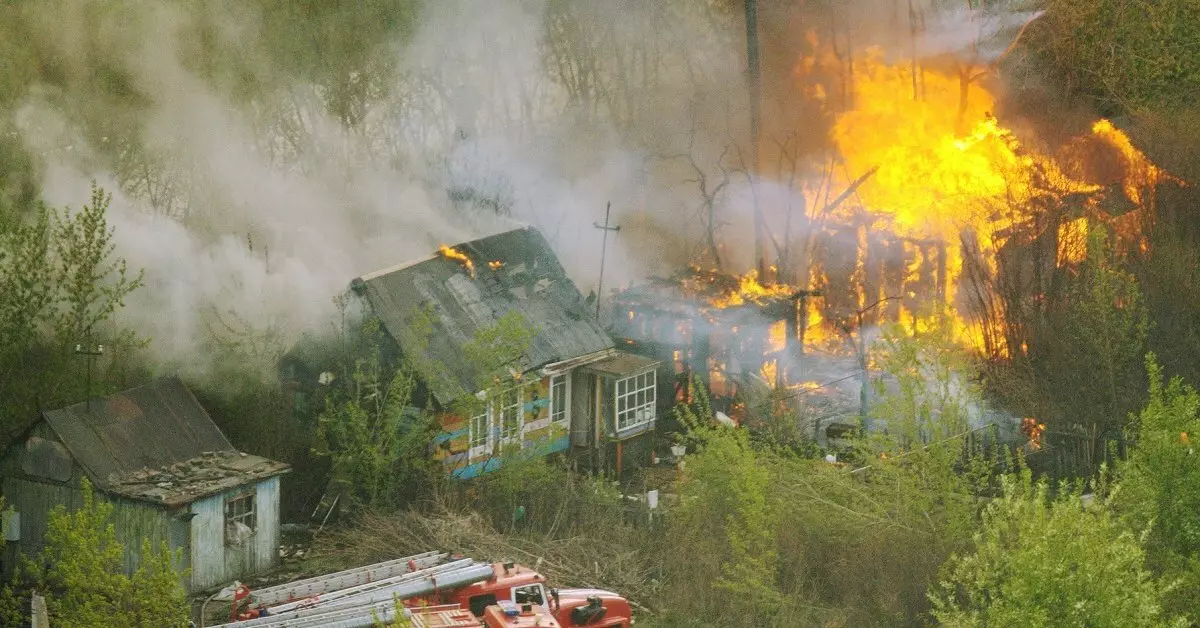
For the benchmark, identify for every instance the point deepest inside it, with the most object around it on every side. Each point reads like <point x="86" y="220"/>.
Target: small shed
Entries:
<point x="171" y="475"/>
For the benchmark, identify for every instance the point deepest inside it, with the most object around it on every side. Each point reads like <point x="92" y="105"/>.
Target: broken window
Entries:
<point x="635" y="397"/>
<point x="240" y="518"/>
<point x="558" y="399"/>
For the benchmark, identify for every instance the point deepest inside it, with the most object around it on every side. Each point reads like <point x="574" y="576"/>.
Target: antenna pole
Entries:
<point x="90" y="352"/>
<point x="603" y="253"/>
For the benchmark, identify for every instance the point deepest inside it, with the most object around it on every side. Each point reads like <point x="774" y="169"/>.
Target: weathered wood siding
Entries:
<point x="134" y="522"/>
<point x="215" y="563"/>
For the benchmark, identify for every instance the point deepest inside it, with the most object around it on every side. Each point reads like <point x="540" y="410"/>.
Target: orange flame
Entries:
<point x="777" y="336"/>
<point x="1033" y="430"/>
<point x="458" y="256"/>
<point x="749" y="290"/>
<point x="944" y="165"/>
<point x="495" y="264"/>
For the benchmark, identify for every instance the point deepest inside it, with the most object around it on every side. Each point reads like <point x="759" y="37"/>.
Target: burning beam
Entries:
<point x="458" y="256"/>
<point x="850" y="190"/>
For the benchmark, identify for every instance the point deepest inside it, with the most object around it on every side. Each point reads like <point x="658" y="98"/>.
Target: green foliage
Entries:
<point x="1126" y="54"/>
<point x="377" y="441"/>
<point x="60" y="284"/>
<point x="497" y="352"/>
<point x="1160" y="483"/>
<point x="1044" y="560"/>
<point x="933" y="379"/>
<point x="81" y="573"/>
<point x="814" y="543"/>
<point x="730" y="521"/>
<point x="553" y="501"/>
<point x="693" y="416"/>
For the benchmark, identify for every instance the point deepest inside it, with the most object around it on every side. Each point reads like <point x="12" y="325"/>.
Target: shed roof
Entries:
<point x="513" y="271"/>
<point x="151" y="427"/>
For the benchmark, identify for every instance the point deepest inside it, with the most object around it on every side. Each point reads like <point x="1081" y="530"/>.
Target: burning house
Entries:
<point x="733" y="335"/>
<point x="571" y="390"/>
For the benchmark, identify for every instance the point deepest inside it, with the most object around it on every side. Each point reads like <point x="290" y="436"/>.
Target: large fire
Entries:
<point x="942" y="165"/>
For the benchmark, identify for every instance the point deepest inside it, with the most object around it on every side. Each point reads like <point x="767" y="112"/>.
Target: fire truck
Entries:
<point x="487" y="592"/>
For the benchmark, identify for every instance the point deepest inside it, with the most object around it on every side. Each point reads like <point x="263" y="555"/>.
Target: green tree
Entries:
<point x="377" y="441"/>
<point x="932" y="378"/>
<point x="730" y="521"/>
<point x="1160" y="483"/>
<point x="60" y="284"/>
<point x="1043" y="559"/>
<point x="81" y="573"/>
<point x="1126" y="54"/>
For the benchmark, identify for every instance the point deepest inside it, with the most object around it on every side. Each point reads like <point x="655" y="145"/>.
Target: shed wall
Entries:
<point x="214" y="563"/>
<point x="134" y="522"/>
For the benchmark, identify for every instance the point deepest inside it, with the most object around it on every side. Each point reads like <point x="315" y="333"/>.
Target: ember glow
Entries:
<point x="746" y="289"/>
<point x="458" y="256"/>
<point x="495" y="264"/>
<point x="777" y="336"/>
<point x="1033" y="430"/>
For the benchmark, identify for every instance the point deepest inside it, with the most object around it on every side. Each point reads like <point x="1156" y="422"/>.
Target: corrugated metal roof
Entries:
<point x="523" y="276"/>
<point x="149" y="427"/>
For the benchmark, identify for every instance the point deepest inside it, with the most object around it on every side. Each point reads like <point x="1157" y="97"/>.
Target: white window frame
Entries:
<point x="510" y="402"/>
<point x="480" y="444"/>
<point x="560" y="415"/>
<point x="635" y="400"/>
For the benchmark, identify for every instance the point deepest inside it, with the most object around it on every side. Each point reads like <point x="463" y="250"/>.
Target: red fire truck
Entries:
<point x="360" y="596"/>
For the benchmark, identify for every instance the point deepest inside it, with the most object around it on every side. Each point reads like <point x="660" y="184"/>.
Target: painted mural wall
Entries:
<point x="533" y="416"/>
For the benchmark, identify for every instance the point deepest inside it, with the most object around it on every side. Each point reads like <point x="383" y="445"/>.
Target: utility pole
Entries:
<point x="754" y="74"/>
<point x="90" y="352"/>
<point x="603" y="252"/>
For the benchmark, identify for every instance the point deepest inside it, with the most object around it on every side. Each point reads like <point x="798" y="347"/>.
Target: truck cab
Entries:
<point x="510" y="582"/>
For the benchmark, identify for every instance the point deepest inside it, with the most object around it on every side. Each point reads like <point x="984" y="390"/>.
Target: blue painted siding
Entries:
<point x="491" y="464"/>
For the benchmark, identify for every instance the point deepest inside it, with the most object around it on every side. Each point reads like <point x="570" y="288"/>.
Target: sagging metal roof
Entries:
<point x="147" y="429"/>
<point x="511" y="271"/>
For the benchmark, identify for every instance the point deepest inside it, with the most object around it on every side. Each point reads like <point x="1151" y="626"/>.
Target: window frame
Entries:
<point x="510" y="431"/>
<point x="633" y="397"/>
<point x="247" y="516"/>
<point x="481" y="422"/>
<point x="560" y="415"/>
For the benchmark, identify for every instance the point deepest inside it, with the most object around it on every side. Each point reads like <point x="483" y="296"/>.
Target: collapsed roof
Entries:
<point x="152" y="443"/>
<point x="470" y="287"/>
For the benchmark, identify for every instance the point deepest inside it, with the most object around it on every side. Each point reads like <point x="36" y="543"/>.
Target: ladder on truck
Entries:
<point x="319" y="585"/>
<point x="363" y="604"/>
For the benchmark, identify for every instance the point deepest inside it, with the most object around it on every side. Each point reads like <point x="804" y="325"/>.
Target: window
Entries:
<point x="529" y="594"/>
<point x="479" y="435"/>
<point x="508" y="404"/>
<point x="636" y="400"/>
<point x="558" y="399"/>
<point x="240" y="518"/>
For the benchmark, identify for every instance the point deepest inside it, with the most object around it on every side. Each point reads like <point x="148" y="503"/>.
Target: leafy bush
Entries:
<point x="1042" y="559"/>
<point x="1160" y="483"/>
<point x="81" y="573"/>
